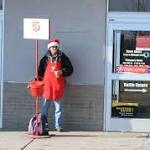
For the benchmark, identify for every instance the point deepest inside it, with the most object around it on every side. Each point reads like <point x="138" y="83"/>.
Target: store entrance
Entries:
<point x="127" y="94"/>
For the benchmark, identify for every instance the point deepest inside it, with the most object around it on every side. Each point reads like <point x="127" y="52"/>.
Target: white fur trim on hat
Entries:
<point x="52" y="44"/>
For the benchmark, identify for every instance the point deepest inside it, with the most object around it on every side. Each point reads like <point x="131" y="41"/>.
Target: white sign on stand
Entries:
<point x="35" y="28"/>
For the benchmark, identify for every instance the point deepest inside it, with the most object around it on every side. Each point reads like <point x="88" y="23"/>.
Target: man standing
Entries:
<point x="53" y="68"/>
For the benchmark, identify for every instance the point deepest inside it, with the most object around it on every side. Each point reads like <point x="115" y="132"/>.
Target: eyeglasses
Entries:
<point x="53" y="46"/>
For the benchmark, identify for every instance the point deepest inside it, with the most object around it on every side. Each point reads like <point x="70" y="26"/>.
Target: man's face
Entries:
<point x="53" y="49"/>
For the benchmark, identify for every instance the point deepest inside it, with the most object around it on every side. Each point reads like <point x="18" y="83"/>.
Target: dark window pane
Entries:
<point x="1" y="5"/>
<point x="132" y="99"/>
<point x="129" y="5"/>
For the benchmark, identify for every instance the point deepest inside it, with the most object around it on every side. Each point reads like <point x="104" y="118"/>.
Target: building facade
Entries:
<point x="96" y="39"/>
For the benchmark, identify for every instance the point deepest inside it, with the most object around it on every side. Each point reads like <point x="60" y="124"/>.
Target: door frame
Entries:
<point x="1" y="64"/>
<point x="121" y="21"/>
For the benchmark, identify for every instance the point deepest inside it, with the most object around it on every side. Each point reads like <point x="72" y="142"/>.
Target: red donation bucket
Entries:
<point x="36" y="88"/>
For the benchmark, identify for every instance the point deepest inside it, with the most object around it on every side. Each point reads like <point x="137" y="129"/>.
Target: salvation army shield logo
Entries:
<point x="36" y="26"/>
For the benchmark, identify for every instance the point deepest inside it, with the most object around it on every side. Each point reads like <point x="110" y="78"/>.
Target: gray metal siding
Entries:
<point x="79" y="24"/>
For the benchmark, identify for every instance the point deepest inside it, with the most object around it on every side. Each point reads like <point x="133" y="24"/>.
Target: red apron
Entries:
<point x="53" y="87"/>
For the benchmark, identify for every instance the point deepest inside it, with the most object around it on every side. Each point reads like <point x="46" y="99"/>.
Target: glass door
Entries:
<point x="127" y="92"/>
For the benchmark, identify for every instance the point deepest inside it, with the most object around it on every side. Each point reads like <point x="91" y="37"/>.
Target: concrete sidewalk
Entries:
<point x="75" y="141"/>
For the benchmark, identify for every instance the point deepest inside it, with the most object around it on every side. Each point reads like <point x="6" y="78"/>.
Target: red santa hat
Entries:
<point x="53" y="42"/>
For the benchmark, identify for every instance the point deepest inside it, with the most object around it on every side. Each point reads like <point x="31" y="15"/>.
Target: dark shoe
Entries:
<point x="59" y="130"/>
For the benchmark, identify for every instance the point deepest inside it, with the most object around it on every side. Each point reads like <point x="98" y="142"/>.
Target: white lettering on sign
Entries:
<point x="130" y="84"/>
<point x="135" y="90"/>
<point x="132" y="68"/>
<point x="35" y="28"/>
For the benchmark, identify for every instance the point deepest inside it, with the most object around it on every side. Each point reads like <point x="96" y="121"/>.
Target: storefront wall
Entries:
<point x="80" y="25"/>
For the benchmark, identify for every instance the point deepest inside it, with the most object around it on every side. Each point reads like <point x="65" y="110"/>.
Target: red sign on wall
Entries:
<point x="143" y="43"/>
<point x="132" y="69"/>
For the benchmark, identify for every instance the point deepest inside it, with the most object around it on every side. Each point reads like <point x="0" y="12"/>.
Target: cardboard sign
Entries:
<point x="35" y="28"/>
